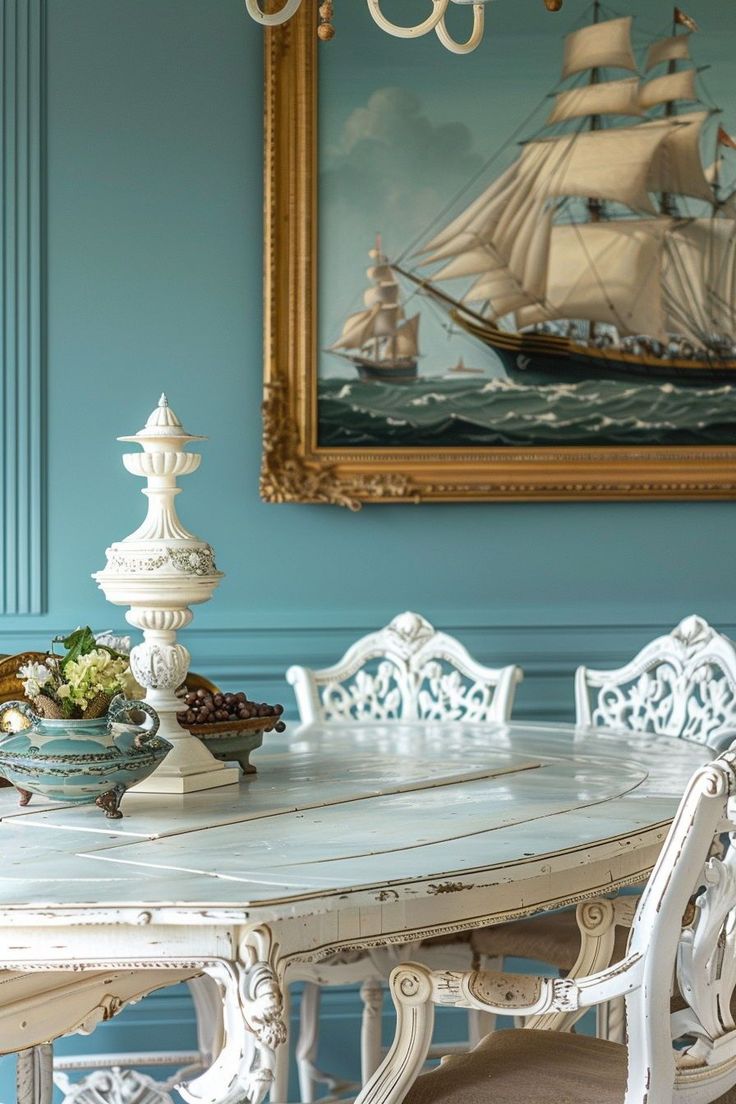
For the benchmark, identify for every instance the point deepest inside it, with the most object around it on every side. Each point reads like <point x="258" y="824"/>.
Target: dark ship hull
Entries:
<point x="400" y="371"/>
<point x="544" y="359"/>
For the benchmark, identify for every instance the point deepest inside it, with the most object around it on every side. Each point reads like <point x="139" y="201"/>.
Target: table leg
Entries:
<point x="34" y="1075"/>
<point x="252" y="998"/>
<point x="371" y="994"/>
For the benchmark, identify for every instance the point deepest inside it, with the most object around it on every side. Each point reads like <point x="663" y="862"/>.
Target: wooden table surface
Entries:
<point x="348" y="837"/>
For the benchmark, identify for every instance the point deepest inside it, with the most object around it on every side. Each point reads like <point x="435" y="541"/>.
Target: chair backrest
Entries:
<point x="682" y="684"/>
<point x="685" y="928"/>
<point x="406" y="671"/>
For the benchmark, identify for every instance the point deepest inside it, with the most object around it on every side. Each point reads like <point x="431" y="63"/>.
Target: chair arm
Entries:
<point x="597" y="922"/>
<point x="415" y="991"/>
<point x="503" y="993"/>
<point x="516" y="994"/>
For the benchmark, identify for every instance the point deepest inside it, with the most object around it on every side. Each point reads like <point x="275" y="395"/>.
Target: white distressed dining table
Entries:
<point x="349" y="837"/>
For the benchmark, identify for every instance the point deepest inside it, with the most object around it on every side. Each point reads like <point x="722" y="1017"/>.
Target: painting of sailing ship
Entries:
<point x="585" y="274"/>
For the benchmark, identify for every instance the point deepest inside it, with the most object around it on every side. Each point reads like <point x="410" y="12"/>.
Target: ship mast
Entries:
<point x="595" y="205"/>
<point x="667" y="204"/>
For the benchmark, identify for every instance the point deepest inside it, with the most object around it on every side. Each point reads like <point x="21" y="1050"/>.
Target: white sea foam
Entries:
<point x="425" y="400"/>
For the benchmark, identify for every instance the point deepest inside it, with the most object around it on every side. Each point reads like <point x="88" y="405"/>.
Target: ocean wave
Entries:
<point x="503" y="412"/>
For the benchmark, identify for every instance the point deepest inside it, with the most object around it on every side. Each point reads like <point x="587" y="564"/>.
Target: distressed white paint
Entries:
<point x="682" y="684"/>
<point x="351" y="837"/>
<point x="668" y="940"/>
<point x="406" y="671"/>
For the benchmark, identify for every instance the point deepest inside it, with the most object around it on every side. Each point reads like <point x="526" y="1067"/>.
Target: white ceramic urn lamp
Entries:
<point x="161" y="570"/>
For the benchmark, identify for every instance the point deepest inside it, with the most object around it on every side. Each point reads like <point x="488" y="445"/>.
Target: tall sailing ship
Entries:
<point x="380" y="341"/>
<point x="607" y="249"/>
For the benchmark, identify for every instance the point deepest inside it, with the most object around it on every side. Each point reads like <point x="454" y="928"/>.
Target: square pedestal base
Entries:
<point x="159" y="783"/>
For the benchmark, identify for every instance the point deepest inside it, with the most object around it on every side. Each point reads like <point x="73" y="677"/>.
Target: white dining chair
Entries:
<point x="682" y="946"/>
<point x="405" y="671"/>
<point x="681" y="685"/>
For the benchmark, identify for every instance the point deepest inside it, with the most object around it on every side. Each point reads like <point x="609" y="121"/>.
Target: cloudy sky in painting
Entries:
<point x="405" y="128"/>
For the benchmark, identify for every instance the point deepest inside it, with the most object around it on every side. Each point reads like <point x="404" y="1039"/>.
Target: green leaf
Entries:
<point x="78" y="643"/>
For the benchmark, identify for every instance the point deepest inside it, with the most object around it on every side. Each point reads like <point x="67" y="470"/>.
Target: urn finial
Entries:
<point x="161" y="570"/>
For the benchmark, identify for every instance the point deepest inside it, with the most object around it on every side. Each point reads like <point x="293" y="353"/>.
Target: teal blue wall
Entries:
<point x="154" y="281"/>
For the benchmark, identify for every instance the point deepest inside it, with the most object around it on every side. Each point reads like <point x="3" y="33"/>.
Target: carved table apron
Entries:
<point x="349" y="837"/>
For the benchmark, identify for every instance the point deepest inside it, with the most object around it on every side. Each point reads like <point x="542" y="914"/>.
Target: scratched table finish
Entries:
<point x="348" y="838"/>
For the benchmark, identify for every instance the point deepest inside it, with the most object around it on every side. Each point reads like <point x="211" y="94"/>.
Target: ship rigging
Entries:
<point x="582" y="259"/>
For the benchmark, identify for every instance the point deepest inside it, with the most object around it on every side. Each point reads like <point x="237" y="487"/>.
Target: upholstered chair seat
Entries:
<point x="531" y="1067"/>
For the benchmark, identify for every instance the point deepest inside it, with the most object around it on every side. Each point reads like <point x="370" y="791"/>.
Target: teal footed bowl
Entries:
<point x="81" y="761"/>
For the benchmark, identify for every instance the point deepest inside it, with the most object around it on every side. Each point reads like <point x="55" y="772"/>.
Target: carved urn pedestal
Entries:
<point x="159" y="571"/>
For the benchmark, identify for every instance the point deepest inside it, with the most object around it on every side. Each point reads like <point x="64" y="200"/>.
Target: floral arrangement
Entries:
<point x="81" y="683"/>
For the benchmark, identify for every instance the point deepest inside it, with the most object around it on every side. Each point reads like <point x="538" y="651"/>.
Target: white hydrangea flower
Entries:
<point x="37" y="672"/>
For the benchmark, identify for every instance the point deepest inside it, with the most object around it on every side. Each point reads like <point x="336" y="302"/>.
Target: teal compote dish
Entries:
<point x="81" y="761"/>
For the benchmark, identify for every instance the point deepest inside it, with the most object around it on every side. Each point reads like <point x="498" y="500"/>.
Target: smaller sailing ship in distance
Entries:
<point x="380" y="341"/>
<point x="461" y="369"/>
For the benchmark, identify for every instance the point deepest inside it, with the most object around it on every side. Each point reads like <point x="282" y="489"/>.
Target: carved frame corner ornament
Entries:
<point x="295" y="468"/>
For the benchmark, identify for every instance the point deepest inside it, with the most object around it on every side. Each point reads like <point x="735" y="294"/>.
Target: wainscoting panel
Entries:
<point x="22" y="416"/>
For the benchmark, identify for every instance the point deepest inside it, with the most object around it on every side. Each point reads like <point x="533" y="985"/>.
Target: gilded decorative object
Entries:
<point x="295" y="468"/>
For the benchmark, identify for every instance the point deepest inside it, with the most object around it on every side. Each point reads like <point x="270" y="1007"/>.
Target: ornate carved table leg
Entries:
<point x="371" y="994"/>
<point x="251" y="997"/>
<point x="34" y="1075"/>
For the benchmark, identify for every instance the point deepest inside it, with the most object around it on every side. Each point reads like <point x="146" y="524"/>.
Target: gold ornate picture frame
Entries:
<point x="295" y="468"/>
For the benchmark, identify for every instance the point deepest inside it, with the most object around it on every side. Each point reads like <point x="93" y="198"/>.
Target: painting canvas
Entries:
<point x="532" y="246"/>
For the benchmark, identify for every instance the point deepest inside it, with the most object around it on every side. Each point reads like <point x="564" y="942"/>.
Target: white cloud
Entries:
<point x="393" y="167"/>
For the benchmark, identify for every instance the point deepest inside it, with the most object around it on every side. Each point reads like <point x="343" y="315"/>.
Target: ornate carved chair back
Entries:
<point x="685" y="926"/>
<point x="682" y="685"/>
<point x="406" y="671"/>
<point x="683" y="941"/>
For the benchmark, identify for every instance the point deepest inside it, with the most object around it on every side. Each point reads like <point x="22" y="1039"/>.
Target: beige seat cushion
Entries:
<point x="530" y="1067"/>
<point x="552" y="938"/>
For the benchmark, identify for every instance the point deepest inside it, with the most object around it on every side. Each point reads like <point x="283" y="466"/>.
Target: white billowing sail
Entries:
<point x="384" y="295"/>
<point x="713" y="172"/>
<point x="667" y="89"/>
<point x="699" y="279"/>
<point x="674" y="48"/>
<point x="590" y="276"/>
<point x="407" y="338"/>
<point x="606" y="44"/>
<point x="678" y="167"/>
<point x="607" y="98"/>
<point x="610" y="164"/>
<point x="358" y="328"/>
<point x="473" y="224"/>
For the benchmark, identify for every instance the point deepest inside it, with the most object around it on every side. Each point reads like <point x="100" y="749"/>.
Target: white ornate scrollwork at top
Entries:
<point x="112" y="1086"/>
<point x="409" y="671"/>
<point x="680" y="685"/>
